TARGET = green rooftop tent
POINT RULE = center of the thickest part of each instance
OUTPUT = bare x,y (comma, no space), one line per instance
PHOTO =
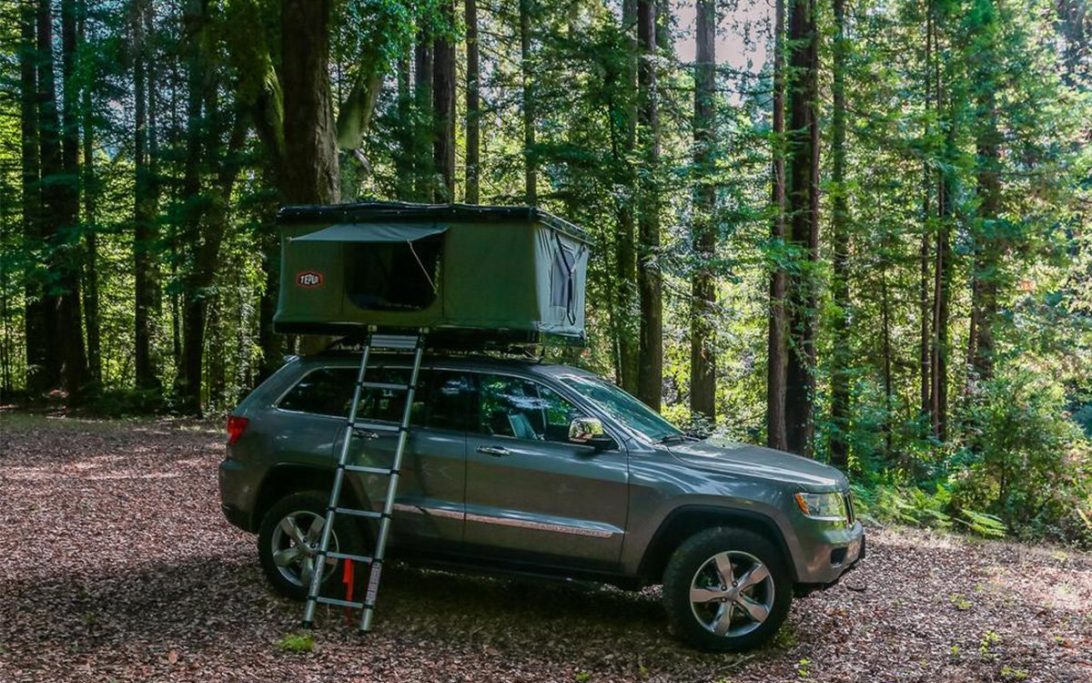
514,274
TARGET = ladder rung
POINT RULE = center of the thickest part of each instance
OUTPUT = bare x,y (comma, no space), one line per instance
390,386
353,512
393,341
376,426
364,469
349,556
339,603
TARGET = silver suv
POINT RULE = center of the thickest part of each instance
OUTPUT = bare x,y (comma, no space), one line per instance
546,470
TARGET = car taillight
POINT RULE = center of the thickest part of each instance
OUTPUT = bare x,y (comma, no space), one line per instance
235,427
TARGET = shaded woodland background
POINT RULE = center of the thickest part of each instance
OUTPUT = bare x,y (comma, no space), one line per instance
855,229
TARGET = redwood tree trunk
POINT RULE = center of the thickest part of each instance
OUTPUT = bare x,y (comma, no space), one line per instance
777,340
703,382
625,245
35,311
803,210
473,107
649,279
310,173
530,165
443,105
424,184
839,374
144,210
69,259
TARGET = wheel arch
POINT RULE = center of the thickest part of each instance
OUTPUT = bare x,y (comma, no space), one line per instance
284,480
683,522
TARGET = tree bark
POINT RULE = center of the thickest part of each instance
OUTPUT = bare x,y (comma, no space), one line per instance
530,163
987,243
473,106
839,379
703,383
35,311
310,136
404,158
924,305
144,209
70,254
943,264
625,245
443,101
649,278
90,219
424,131
777,338
803,210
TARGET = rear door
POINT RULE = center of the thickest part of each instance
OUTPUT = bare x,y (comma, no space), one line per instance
433,469
530,493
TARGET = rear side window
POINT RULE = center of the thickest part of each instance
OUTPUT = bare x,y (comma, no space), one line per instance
443,399
327,391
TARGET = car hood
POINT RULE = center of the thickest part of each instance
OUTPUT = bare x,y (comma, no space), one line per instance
721,455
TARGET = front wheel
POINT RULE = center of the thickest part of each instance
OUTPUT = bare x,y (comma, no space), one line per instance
726,590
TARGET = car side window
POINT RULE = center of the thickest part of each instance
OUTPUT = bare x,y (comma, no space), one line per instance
329,391
523,409
450,401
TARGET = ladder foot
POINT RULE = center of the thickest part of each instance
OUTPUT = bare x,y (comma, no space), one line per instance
307,624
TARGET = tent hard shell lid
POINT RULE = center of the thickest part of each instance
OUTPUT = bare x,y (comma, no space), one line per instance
505,274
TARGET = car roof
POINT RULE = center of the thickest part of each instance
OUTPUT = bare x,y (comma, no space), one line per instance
460,361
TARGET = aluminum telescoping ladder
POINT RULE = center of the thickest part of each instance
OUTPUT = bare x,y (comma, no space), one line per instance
372,341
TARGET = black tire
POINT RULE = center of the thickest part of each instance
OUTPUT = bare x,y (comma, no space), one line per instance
683,569
348,535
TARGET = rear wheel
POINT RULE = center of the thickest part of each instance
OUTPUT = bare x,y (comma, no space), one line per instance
726,590
288,541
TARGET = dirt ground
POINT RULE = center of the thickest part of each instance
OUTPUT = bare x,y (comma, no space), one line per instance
117,565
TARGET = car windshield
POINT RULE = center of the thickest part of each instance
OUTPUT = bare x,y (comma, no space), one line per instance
622,407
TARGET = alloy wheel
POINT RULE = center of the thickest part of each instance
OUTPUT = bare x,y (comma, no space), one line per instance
732,593
295,542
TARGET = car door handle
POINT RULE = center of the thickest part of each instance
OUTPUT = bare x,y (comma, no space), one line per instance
495,451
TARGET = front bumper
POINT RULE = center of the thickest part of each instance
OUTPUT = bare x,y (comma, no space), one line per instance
828,553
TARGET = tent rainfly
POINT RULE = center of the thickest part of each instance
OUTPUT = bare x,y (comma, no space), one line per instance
514,274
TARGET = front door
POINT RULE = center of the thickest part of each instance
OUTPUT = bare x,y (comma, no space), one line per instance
530,493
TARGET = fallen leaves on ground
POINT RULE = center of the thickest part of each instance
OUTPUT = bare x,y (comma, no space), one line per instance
118,565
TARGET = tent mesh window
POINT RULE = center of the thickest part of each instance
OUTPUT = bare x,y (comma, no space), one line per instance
393,276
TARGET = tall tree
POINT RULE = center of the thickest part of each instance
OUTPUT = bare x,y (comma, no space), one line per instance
35,314
777,335
987,239
649,277
703,379
624,140
70,253
839,380
90,203
924,305
803,214
443,104
311,172
473,106
530,165
144,206
423,152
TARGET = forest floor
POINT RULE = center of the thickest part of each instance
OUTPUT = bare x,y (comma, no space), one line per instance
117,565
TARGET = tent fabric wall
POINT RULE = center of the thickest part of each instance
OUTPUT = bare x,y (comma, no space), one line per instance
503,270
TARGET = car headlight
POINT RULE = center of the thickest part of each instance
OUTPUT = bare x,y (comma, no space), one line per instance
830,507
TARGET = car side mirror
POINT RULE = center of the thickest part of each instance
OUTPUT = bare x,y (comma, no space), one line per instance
588,431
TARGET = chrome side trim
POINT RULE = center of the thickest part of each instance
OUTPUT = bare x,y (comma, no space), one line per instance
515,522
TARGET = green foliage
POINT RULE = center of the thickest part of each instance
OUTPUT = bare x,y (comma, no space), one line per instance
297,642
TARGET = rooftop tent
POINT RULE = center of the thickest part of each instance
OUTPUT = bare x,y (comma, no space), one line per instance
512,273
